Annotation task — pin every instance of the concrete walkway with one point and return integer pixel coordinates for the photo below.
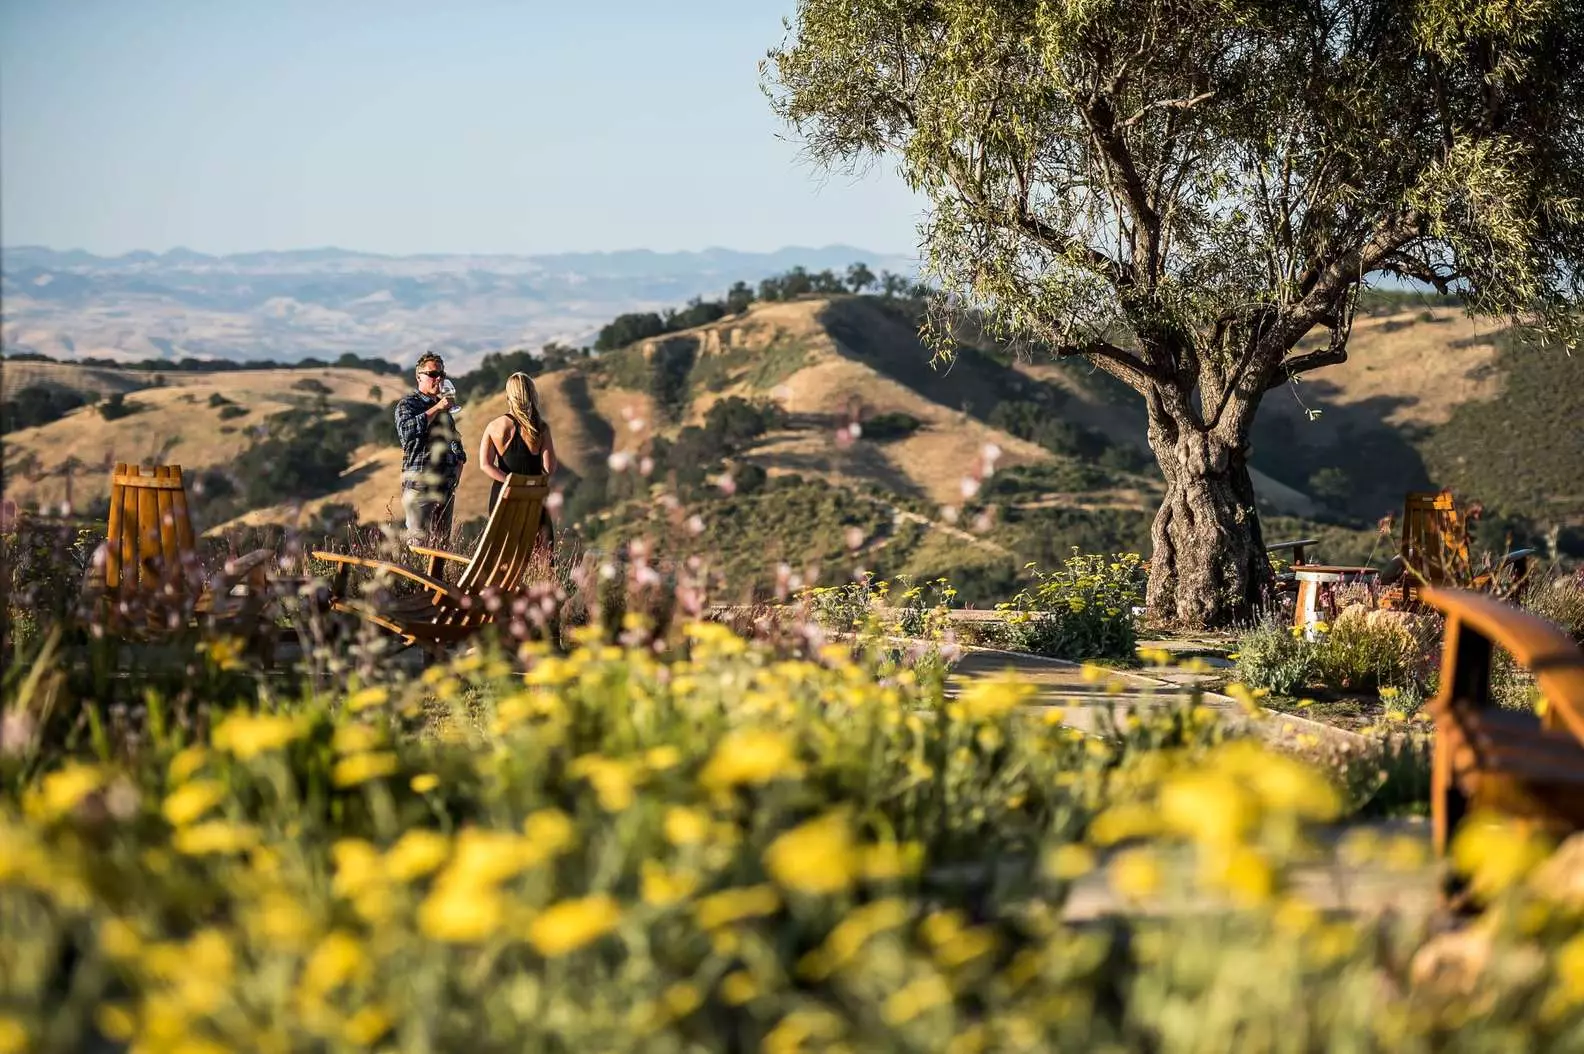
(1328, 884)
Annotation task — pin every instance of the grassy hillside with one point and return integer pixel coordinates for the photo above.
(868, 441)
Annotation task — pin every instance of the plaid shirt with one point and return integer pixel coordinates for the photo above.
(432, 452)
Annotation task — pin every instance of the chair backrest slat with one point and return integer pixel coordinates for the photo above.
(113, 562)
(507, 545)
(170, 555)
(182, 513)
(130, 569)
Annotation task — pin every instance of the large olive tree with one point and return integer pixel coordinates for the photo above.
(1182, 191)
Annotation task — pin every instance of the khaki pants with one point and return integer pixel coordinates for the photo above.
(428, 514)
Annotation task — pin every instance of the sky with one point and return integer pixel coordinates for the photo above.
(533, 126)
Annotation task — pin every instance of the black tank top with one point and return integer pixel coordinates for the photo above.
(516, 458)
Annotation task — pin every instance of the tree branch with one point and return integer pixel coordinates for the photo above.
(1401, 263)
(1332, 355)
(1167, 104)
(1120, 363)
(1118, 272)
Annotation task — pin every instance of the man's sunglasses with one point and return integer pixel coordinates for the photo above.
(431, 373)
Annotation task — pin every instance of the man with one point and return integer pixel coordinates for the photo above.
(432, 454)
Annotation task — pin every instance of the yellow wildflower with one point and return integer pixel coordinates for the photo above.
(62, 790)
(815, 858)
(359, 868)
(684, 826)
(1136, 874)
(214, 837)
(850, 935)
(660, 888)
(886, 861)
(682, 999)
(424, 782)
(569, 925)
(366, 1026)
(988, 699)
(13, 1036)
(186, 762)
(1154, 656)
(612, 780)
(1570, 970)
(1246, 874)
(225, 652)
(734, 905)
(915, 998)
(338, 959)
(415, 854)
(661, 758)
(191, 800)
(115, 1021)
(750, 756)
(459, 913)
(365, 698)
(355, 738)
(1207, 806)
(119, 939)
(281, 921)
(1496, 853)
(360, 768)
(1069, 861)
(247, 736)
(738, 987)
(1122, 822)
(486, 858)
(549, 832)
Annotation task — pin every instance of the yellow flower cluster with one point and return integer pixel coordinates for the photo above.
(624, 850)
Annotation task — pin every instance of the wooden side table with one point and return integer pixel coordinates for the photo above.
(1316, 585)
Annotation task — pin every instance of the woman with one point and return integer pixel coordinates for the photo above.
(517, 441)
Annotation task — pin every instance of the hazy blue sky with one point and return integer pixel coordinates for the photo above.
(412, 126)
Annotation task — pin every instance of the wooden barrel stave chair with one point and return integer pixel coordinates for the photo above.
(444, 614)
(149, 581)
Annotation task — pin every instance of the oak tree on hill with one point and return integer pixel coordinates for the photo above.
(1182, 191)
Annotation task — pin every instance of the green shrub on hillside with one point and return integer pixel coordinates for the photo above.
(115, 407)
(37, 405)
(885, 427)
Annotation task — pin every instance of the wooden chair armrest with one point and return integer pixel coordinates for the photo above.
(1302, 543)
(427, 581)
(424, 550)
(246, 565)
(1535, 644)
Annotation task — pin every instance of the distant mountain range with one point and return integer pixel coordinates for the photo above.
(325, 302)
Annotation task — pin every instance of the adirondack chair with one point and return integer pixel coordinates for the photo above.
(442, 614)
(1489, 758)
(1435, 551)
(149, 581)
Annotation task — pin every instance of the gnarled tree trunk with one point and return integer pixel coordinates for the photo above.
(1209, 566)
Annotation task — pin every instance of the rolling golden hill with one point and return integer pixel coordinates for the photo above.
(829, 363)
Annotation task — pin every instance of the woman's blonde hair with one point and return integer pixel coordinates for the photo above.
(522, 406)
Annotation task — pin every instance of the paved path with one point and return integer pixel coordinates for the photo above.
(1060, 683)
(1327, 884)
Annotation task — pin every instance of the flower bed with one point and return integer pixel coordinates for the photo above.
(713, 846)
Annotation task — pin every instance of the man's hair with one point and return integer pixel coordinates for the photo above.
(428, 357)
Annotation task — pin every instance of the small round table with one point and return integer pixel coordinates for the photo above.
(1316, 583)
